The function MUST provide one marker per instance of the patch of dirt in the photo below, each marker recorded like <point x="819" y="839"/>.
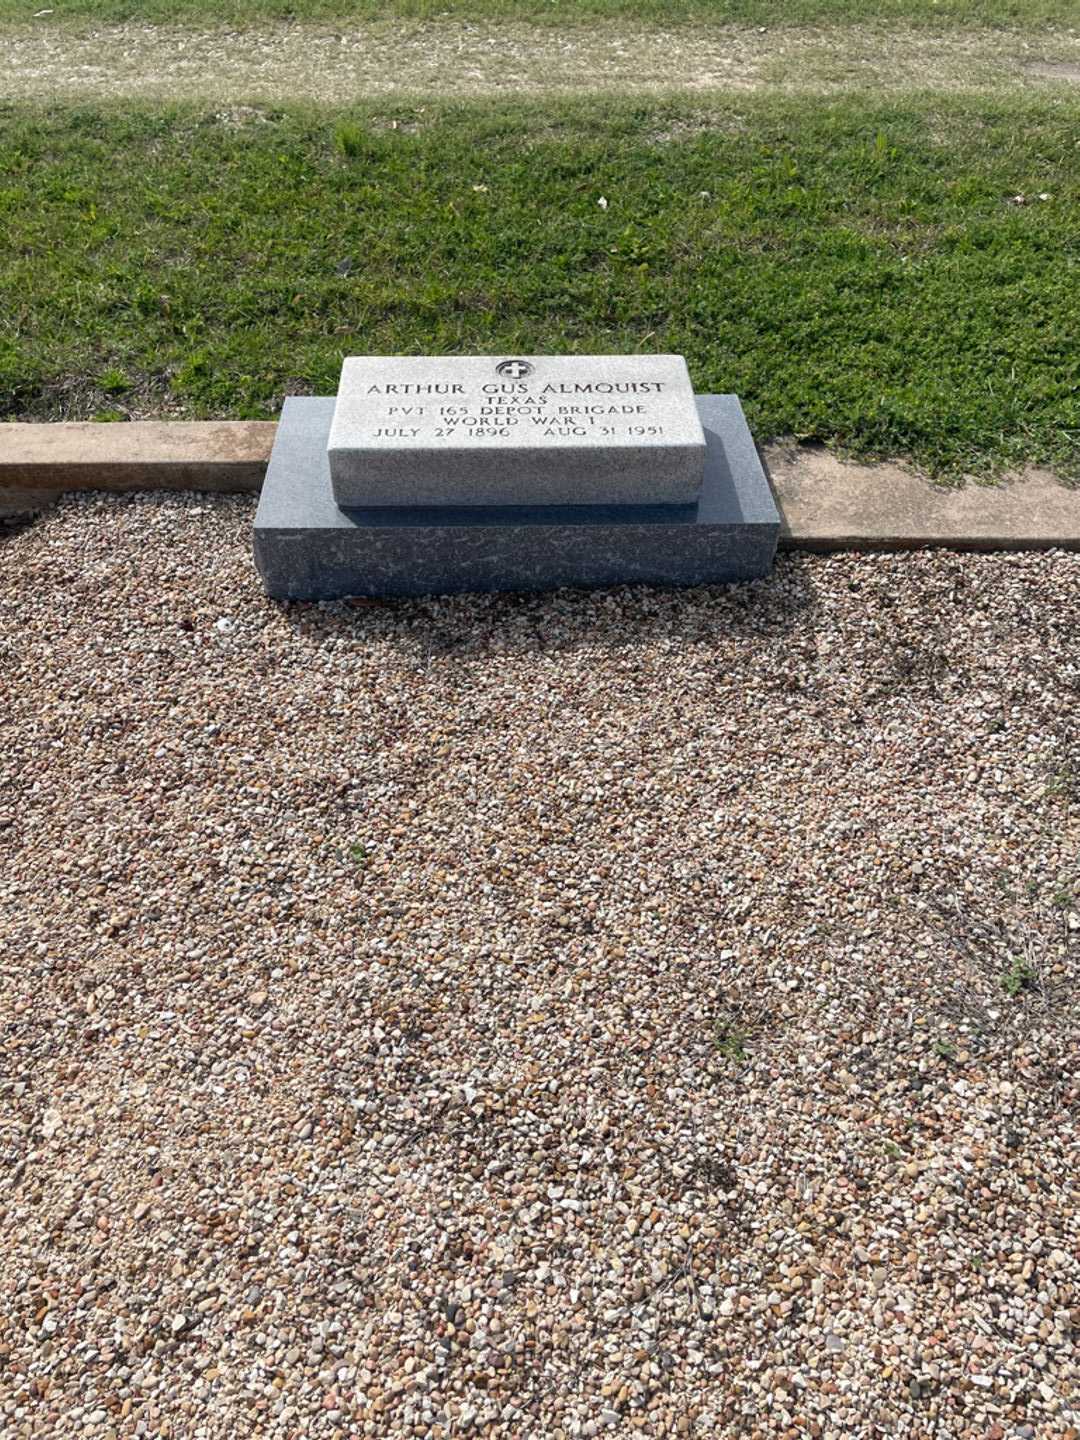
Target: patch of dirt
<point x="346" y="63"/>
<point x="705" y="124"/>
<point x="1062" y="70"/>
<point x="242" y="117"/>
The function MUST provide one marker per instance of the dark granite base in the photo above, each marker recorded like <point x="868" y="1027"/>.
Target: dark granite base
<point x="308" y="549"/>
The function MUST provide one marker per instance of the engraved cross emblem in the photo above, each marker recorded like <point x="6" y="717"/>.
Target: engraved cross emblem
<point x="516" y="369"/>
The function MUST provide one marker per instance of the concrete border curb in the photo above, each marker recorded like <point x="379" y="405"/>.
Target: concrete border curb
<point x="831" y="504"/>
<point x="825" y="503"/>
<point x="40" y="462"/>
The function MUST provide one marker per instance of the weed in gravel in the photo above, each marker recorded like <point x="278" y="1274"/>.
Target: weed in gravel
<point x="1021" y="950"/>
<point x="730" y="1039"/>
<point x="1065" y="780"/>
<point x="1020" y="974"/>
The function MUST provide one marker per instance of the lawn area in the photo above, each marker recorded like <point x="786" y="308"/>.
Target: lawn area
<point x="938" y="13"/>
<point x="859" y="273"/>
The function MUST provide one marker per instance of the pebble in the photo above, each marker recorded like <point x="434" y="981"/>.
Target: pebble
<point x="664" y="1068"/>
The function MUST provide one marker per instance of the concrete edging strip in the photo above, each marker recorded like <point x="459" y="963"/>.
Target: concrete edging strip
<point x="825" y="503"/>
<point x="221" y="455"/>
<point x="831" y="504"/>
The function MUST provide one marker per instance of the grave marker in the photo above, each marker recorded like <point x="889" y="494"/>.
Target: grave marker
<point x="438" y="474"/>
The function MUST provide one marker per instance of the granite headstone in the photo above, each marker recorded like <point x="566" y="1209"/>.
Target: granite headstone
<point x="551" y="430"/>
<point x="349" y="508"/>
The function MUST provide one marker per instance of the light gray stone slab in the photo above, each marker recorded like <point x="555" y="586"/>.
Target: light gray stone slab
<point x="525" y="430"/>
<point x="306" y="548"/>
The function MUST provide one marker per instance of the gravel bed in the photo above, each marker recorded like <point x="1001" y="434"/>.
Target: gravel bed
<point x="635" y="1013"/>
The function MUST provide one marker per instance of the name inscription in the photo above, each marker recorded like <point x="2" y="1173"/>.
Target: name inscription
<point x="501" y="409"/>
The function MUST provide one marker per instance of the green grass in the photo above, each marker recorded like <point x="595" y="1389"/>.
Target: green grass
<point x="856" y="272"/>
<point x="1026" y="13"/>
